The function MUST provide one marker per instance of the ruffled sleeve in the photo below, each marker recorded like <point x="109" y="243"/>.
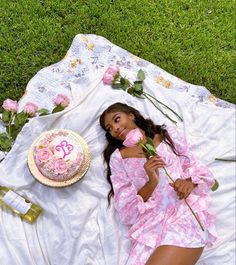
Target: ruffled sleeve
<point x="127" y="202"/>
<point x="191" y="166"/>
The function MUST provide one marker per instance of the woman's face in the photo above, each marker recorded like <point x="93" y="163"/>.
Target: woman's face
<point x="119" y="123"/>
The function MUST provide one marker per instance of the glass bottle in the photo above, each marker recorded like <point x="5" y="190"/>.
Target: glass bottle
<point x="19" y="205"/>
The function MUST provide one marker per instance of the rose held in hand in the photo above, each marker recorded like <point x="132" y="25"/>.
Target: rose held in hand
<point x="133" y="138"/>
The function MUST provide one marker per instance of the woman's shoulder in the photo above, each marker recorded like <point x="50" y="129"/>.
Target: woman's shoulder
<point x="171" y="129"/>
<point x="116" y="155"/>
<point x="177" y="135"/>
<point x="174" y="132"/>
<point x="116" y="160"/>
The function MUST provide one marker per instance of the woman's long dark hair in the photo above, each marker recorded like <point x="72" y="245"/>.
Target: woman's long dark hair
<point x="147" y="125"/>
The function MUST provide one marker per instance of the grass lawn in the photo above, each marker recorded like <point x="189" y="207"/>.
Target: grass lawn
<point x="192" y="39"/>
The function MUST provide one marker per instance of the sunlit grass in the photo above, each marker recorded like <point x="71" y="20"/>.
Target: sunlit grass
<point x="194" y="40"/>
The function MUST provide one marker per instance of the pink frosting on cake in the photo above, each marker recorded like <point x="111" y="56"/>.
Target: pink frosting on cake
<point x="58" y="155"/>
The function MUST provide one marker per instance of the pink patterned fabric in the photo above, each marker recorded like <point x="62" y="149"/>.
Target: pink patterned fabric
<point x="163" y="219"/>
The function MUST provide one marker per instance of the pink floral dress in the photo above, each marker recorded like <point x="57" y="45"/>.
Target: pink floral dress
<point x="163" y="219"/>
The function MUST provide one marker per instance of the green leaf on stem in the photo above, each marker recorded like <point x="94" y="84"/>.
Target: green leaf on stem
<point x="43" y="112"/>
<point x="130" y="90"/>
<point x="150" y="141"/>
<point x="13" y="131"/>
<point x="6" y="116"/>
<point x="151" y="148"/>
<point x="20" y="119"/>
<point x="127" y="83"/>
<point x="123" y="87"/>
<point x="141" y="75"/>
<point x="138" y="82"/>
<point x="138" y="88"/>
<point x="116" y="85"/>
<point x="134" y="91"/>
<point x="122" y="80"/>
<point x="58" y="108"/>
<point x="150" y="153"/>
<point x="215" y="186"/>
<point x="5" y="142"/>
<point x="146" y="151"/>
<point x="137" y="95"/>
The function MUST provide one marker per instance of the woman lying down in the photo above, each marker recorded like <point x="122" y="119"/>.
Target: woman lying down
<point x="161" y="198"/>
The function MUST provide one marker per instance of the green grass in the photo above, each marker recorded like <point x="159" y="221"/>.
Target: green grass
<point x="194" y="40"/>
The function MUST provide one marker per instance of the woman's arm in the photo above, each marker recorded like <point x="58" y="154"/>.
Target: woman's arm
<point x="194" y="171"/>
<point x="127" y="200"/>
<point x="146" y="191"/>
<point x="151" y="167"/>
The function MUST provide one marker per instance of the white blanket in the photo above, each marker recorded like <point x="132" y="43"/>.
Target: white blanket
<point x="76" y="227"/>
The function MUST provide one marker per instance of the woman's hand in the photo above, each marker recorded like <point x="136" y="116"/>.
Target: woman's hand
<point x="183" y="187"/>
<point x="151" y="168"/>
<point x="152" y="165"/>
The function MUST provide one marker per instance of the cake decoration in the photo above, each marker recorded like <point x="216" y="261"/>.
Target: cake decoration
<point x="59" y="156"/>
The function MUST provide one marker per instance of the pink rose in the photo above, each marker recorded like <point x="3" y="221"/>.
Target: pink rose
<point x="133" y="137"/>
<point x="60" y="166"/>
<point x="43" y="154"/>
<point x="110" y="74"/>
<point x="107" y="79"/>
<point x="113" y="70"/>
<point x="62" y="100"/>
<point x="10" y="105"/>
<point x="30" y="108"/>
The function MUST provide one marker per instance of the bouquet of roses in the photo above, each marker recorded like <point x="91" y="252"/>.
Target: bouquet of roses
<point x="14" y="121"/>
<point x="112" y="77"/>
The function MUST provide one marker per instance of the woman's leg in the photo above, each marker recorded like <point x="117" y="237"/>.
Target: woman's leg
<point x="172" y="255"/>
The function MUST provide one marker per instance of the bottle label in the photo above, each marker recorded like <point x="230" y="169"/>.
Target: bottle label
<point x="16" y="201"/>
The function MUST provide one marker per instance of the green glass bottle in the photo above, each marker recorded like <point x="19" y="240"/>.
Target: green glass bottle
<point x="19" y="205"/>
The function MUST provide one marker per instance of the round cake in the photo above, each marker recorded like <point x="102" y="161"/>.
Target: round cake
<point x="59" y="155"/>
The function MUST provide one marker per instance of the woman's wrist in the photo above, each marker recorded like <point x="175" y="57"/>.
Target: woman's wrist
<point x="153" y="180"/>
<point x="146" y="191"/>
